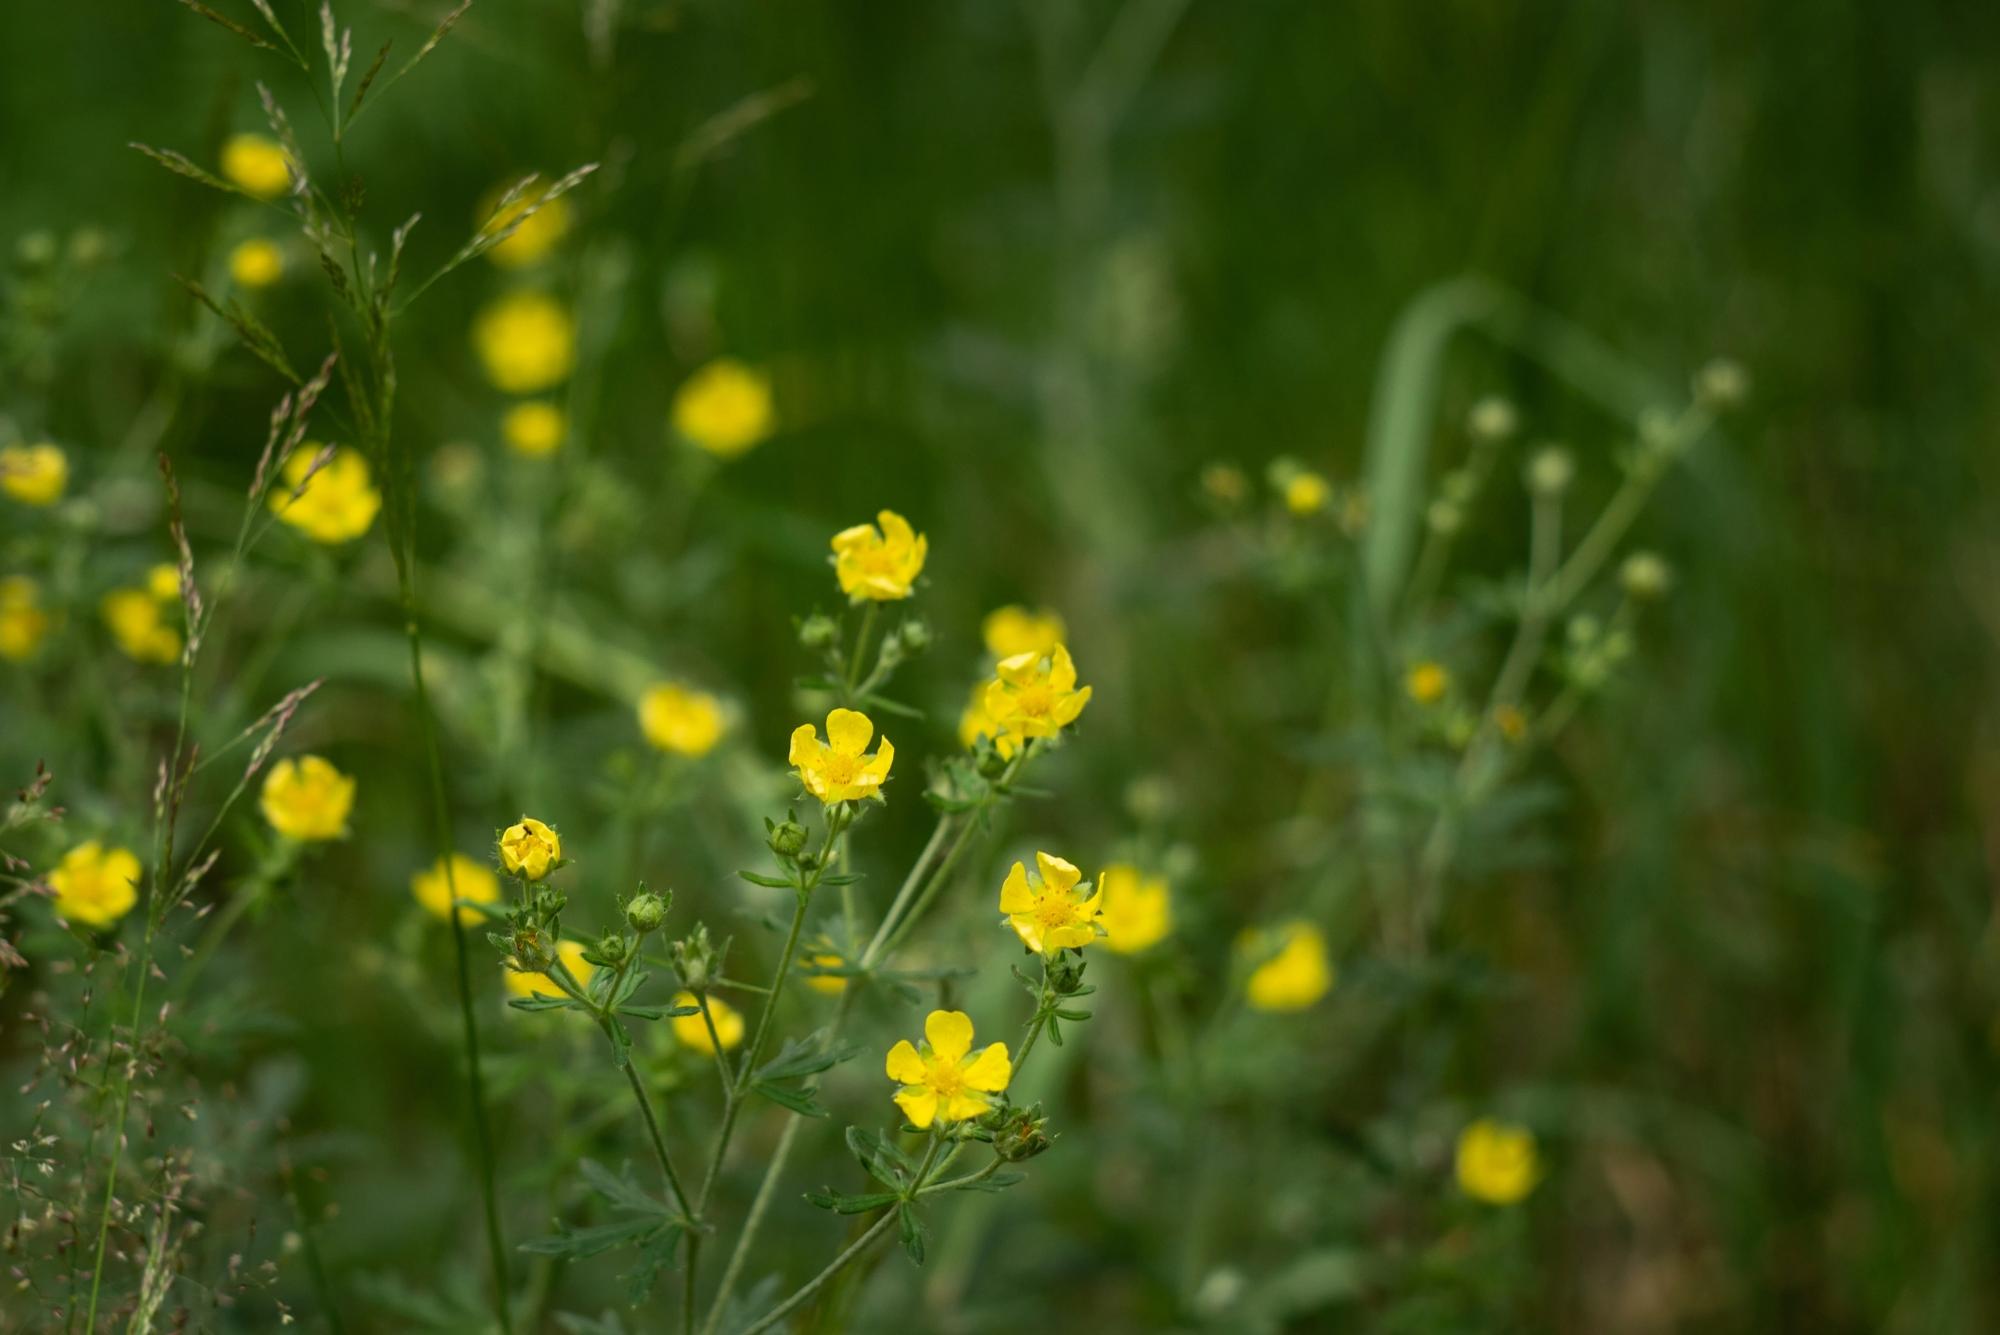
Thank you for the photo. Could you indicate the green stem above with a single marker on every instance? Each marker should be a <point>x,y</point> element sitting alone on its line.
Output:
<point>817,1282</point>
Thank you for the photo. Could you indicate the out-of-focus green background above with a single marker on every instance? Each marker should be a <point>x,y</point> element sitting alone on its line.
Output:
<point>1759,970</point>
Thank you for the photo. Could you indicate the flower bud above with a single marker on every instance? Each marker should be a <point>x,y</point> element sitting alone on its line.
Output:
<point>818,632</point>
<point>916,635</point>
<point>787,838</point>
<point>645,911</point>
<point>1645,576</point>
<point>1066,971</point>
<point>694,959</point>
<point>611,949</point>
<point>1492,420</point>
<point>1550,472</point>
<point>533,951</point>
<point>1721,385</point>
<point>1022,1134</point>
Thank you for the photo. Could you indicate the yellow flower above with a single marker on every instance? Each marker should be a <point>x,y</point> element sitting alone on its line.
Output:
<point>944,1081</point>
<point>1137,910</point>
<point>685,722</point>
<point>836,770</point>
<point>725,408</point>
<point>256,165</point>
<point>527,342</point>
<point>307,799</point>
<point>472,880</point>
<point>1306,493</point>
<point>1294,971</point>
<point>533,239</point>
<point>256,263</point>
<point>1427,682</point>
<point>1035,696</point>
<point>540,984</point>
<point>534,428</point>
<point>880,564</point>
<point>1497,1162</point>
<point>693,1031</point>
<point>1511,722</point>
<point>833,984</point>
<point>529,848</point>
<point>338,502</point>
<point>133,617</point>
<point>34,474</point>
<point>1016,630</point>
<point>163,581</point>
<point>1046,913</point>
<point>975,723</point>
<point>23,623</point>
<point>95,885</point>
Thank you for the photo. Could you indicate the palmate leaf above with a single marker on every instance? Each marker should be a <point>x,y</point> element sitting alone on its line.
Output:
<point>913,1232</point>
<point>880,1158</point>
<point>799,1101</point>
<point>804,1056</point>
<point>621,1192</point>
<point>577,1244</point>
<point>998,1182</point>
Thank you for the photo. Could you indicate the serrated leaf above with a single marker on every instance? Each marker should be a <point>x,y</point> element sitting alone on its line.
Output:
<point>621,1192</point>
<point>880,1158</point>
<point>576,1244</point>
<point>798,1100</point>
<point>842,1204</point>
<point>913,1233</point>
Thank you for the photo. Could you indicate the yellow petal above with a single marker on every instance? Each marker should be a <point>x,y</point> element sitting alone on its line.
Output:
<point>1028,929</point>
<point>1057,873</point>
<point>850,538</point>
<point>949,1033</point>
<point>848,731</point>
<point>1020,669</point>
<point>1062,670</point>
<point>919,1104</point>
<point>965,1107</point>
<point>905,1067</point>
<point>990,1070</point>
<point>877,769</point>
<point>1015,897</point>
<point>895,528</point>
<point>1069,706</point>
<point>805,741</point>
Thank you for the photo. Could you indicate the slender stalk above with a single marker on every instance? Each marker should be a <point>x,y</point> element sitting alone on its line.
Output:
<point>124,1102</point>
<point>908,888</point>
<point>817,1282</point>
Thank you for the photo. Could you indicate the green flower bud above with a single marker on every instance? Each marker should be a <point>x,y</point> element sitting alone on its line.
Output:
<point>1022,1134</point>
<point>694,959</point>
<point>787,838</point>
<point>611,949</point>
<point>1645,576</point>
<point>916,635</point>
<point>645,911</point>
<point>1721,385</point>
<point>533,951</point>
<point>818,632</point>
<point>1551,471</point>
<point>1492,420</point>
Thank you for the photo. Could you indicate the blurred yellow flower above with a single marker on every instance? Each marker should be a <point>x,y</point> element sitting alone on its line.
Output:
<point>257,262</point>
<point>1511,722</point>
<point>95,885</point>
<point>832,984</point>
<point>945,1082</point>
<point>534,428</point>
<point>1035,696</point>
<point>540,984</point>
<point>879,564</point>
<point>1016,630</point>
<point>1427,682</point>
<point>975,723</point>
<point>1138,911</point>
<point>527,342</point>
<point>23,623</point>
<point>529,848</point>
<point>1294,972</point>
<point>472,880</point>
<point>34,474</point>
<point>685,722</point>
<point>307,799</point>
<point>1306,493</point>
<point>256,165</point>
<point>533,239</point>
<point>837,770</point>
<point>1497,1162</point>
<point>725,408</point>
<point>1046,912</point>
<point>692,1030</point>
<point>134,618</point>
<point>338,502</point>
<point>163,581</point>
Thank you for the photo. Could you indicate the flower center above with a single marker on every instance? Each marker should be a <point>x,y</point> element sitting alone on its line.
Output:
<point>1053,910</point>
<point>1036,700</point>
<point>944,1078</point>
<point>841,768</point>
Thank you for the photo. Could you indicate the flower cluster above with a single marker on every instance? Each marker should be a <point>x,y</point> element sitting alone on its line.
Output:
<point>137,617</point>
<point>329,497</point>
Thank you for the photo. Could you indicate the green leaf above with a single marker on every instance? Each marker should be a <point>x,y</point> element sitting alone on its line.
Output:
<point>913,1233</point>
<point>798,1100</point>
<point>622,1192</point>
<point>543,1004</point>
<point>840,1204</point>
<point>996,1183</point>
<point>879,1157</point>
<point>803,1056</point>
<point>576,1244</point>
<point>774,882</point>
